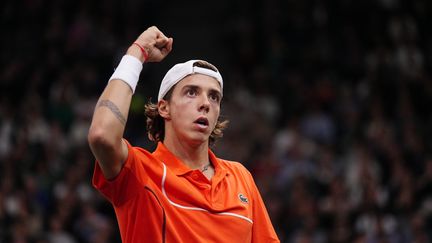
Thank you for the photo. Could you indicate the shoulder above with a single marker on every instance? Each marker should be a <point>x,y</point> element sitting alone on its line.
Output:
<point>137,155</point>
<point>138,151</point>
<point>241,177</point>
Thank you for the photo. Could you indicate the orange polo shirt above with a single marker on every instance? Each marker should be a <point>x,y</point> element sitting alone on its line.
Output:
<point>158,199</point>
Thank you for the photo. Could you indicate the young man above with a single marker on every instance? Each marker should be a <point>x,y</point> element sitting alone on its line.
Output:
<point>181,192</point>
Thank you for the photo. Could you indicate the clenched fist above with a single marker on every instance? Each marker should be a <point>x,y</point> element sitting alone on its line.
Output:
<point>155,44</point>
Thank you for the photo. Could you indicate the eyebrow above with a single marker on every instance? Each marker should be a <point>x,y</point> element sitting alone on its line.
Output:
<point>195,87</point>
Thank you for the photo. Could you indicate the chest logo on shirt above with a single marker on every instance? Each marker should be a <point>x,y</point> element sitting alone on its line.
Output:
<point>243,198</point>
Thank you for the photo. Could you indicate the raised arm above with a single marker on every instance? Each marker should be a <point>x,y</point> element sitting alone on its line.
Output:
<point>111,112</point>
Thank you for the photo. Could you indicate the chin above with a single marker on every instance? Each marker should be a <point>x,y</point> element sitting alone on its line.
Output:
<point>198,140</point>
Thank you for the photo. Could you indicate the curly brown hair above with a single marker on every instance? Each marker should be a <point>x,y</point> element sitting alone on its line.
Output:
<point>155,124</point>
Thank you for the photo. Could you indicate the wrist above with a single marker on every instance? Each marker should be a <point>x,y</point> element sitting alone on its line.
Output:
<point>135,51</point>
<point>144,55</point>
<point>128,71</point>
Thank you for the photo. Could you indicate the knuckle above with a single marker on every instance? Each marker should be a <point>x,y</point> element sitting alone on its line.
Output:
<point>153,28</point>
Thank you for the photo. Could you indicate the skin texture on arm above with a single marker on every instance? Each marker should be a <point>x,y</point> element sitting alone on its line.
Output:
<point>111,112</point>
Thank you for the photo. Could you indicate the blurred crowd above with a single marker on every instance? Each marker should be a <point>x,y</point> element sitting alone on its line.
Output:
<point>329,105</point>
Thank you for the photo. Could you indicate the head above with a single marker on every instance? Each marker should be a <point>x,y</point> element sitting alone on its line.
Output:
<point>188,104</point>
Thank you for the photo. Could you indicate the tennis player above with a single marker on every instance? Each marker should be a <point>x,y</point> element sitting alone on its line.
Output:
<point>181,192</point>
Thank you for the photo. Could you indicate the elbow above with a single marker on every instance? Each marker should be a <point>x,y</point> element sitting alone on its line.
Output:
<point>107,149</point>
<point>100,139</point>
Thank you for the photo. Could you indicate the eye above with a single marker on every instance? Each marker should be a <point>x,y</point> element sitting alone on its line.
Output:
<point>214,97</point>
<point>191,92</point>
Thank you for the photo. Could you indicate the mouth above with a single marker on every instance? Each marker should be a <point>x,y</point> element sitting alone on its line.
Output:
<point>202,122</point>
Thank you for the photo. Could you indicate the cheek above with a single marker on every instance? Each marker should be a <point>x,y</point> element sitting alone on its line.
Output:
<point>215,113</point>
<point>181,110</point>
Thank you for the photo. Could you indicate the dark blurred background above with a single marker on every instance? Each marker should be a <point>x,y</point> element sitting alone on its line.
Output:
<point>329,102</point>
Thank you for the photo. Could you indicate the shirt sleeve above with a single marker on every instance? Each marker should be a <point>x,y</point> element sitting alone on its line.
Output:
<point>126,184</point>
<point>262,229</point>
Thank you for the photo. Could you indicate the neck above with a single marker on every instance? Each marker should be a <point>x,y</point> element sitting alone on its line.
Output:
<point>194,156</point>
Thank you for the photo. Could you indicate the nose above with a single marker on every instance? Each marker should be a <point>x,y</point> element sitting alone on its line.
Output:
<point>204,104</point>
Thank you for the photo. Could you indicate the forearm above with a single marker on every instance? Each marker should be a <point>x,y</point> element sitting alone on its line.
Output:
<point>111,111</point>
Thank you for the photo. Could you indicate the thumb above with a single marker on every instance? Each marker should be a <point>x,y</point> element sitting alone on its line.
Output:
<point>168,46</point>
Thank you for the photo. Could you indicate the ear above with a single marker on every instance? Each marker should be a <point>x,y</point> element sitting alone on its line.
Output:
<point>163,109</point>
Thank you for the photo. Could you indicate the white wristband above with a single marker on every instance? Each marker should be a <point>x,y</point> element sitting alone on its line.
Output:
<point>128,71</point>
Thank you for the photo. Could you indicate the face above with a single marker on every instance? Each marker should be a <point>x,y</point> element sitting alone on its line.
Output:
<point>193,110</point>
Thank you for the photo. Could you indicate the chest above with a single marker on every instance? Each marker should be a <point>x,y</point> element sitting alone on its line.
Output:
<point>225,194</point>
<point>190,208</point>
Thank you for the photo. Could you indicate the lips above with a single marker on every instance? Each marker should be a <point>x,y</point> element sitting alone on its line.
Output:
<point>202,122</point>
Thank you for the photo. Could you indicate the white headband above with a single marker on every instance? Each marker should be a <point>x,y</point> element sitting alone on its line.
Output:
<point>180,71</point>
